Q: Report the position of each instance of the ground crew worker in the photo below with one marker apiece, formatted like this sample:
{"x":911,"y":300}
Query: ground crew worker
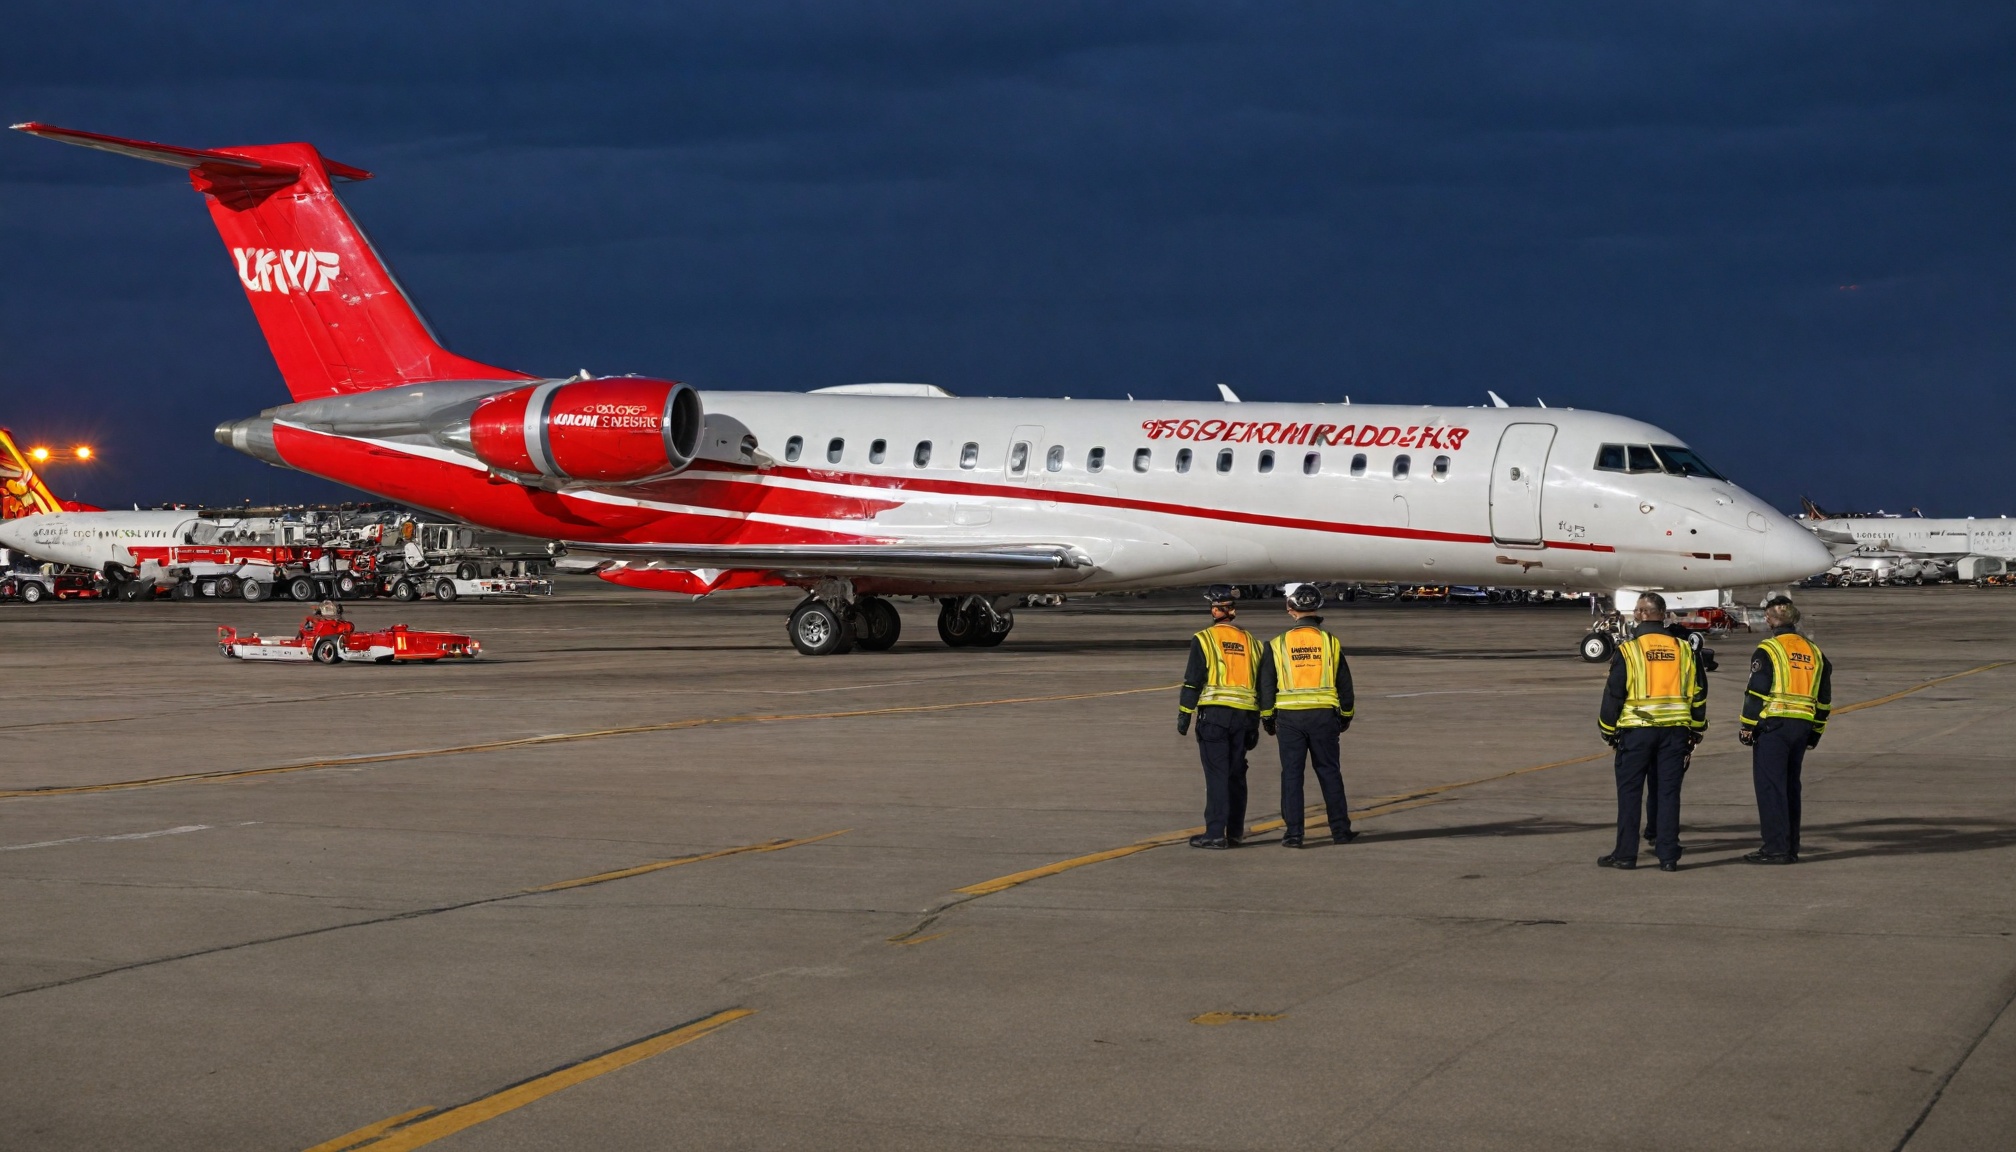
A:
{"x":1784,"y":712}
{"x":1306,"y":703}
{"x":1221,"y":688}
{"x":1705,"y":657}
{"x":1655,"y":708}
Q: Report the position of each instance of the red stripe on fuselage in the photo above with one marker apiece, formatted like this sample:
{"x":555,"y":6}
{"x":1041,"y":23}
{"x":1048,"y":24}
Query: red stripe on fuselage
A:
{"x":467,"y":494}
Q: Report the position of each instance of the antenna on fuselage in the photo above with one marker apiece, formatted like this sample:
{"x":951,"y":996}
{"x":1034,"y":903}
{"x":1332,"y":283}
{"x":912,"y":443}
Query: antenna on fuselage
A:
{"x":1497,"y":401}
{"x":1539,"y":401}
{"x":1227,"y":395}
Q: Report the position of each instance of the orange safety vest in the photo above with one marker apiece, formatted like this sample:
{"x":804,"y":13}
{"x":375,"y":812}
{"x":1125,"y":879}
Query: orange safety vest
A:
{"x":1658,"y":682}
{"x":1234,"y":659}
{"x":1795,"y":678}
{"x":1304,"y":658}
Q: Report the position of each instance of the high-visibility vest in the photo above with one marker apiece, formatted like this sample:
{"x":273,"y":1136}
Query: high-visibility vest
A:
{"x":1234,"y":668}
{"x":1658,"y":682}
{"x":1305,"y":663}
{"x":1795,"y":678}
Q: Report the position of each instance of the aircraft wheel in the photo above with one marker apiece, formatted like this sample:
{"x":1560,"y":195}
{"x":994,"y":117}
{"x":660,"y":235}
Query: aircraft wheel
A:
{"x":444,"y":590}
{"x":403,"y":591}
{"x":988,"y":637}
{"x":877,"y":624}
{"x":956,"y":628}
{"x":253,"y":591}
{"x":818,"y":629}
{"x":327,"y":651}
{"x":301,"y":588}
{"x":31,"y":593}
{"x":1598,"y":647}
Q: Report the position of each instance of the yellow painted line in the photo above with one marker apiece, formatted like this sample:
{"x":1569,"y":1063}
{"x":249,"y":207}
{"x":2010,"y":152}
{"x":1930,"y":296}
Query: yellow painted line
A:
{"x":1881,"y":700}
{"x":1215,"y":1018}
{"x":1382,"y":805}
{"x":902,"y":942}
{"x":453,"y":1120}
{"x":369,"y":1132}
{"x":655,"y":865}
{"x":559,"y":738}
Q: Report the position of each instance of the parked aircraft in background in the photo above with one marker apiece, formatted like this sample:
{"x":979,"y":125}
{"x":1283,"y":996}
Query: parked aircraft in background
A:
{"x":1916,"y":544}
{"x":864,"y":492}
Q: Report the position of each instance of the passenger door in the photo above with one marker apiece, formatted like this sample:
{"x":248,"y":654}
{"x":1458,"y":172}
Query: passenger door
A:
{"x":1516,"y":478}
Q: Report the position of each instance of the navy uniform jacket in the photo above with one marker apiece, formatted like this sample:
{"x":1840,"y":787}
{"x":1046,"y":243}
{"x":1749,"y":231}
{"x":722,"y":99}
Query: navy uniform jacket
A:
{"x":1347,"y":703}
{"x":1761,"y":685}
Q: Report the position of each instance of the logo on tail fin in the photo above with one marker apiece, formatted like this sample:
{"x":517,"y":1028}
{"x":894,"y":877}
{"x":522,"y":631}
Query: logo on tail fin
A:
{"x":286,"y":270}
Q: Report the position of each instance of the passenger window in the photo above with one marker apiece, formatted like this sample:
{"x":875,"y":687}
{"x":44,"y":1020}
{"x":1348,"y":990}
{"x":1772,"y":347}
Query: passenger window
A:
{"x":1053,"y":461}
{"x":833,"y":448}
{"x":878,"y":451}
{"x":1183,"y":460}
{"x":969,"y":454}
{"x":1312,"y":463}
{"x":1610,"y":458}
{"x":922,"y":457}
{"x":1266,"y":461}
{"x":1401,"y":465}
{"x":1224,"y":460}
{"x":1441,"y":467}
{"x":1095,"y":460}
{"x":1358,"y":464}
{"x":793,"y":448}
{"x":1142,"y":457}
{"x":1642,"y":459}
{"x":1018,"y":458}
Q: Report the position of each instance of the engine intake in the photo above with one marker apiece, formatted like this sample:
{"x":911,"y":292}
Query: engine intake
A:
{"x":615,"y":431}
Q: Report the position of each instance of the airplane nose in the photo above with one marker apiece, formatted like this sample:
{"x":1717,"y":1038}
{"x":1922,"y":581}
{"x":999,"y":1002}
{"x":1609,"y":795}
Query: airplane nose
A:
{"x":1792,"y":553}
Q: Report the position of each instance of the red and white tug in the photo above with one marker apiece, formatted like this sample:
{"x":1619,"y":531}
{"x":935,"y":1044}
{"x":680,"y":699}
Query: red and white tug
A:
{"x":326,"y":638}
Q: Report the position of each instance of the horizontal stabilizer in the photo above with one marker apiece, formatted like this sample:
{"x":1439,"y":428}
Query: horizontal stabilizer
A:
{"x":185,"y":158}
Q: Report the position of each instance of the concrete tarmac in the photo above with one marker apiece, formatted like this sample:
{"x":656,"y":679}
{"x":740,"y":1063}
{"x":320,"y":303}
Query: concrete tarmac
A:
{"x":332,"y":931}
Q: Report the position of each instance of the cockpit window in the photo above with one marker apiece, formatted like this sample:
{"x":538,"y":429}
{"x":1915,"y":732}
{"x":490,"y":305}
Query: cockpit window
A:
{"x":1642,"y":459}
{"x":1683,"y":462}
{"x":1610,"y":458}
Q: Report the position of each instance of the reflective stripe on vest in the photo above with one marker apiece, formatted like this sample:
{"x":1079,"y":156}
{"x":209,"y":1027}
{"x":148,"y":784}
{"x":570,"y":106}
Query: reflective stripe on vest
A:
{"x":1233,"y":683}
{"x":1305,"y":662}
{"x":1795,"y":678}
{"x":1658,"y":683}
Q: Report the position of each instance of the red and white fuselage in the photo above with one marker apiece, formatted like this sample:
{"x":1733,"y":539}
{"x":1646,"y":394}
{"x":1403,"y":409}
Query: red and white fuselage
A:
{"x":900,"y":489}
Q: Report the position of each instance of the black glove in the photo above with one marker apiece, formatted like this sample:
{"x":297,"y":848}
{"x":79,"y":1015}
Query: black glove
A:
{"x":1748,"y":737}
{"x":1611,"y":739}
{"x":1252,"y":738}
{"x":1812,"y":739}
{"x":1182,"y":723}
{"x":1267,"y":722}
{"x":1693,"y":739}
{"x":1344,"y":722}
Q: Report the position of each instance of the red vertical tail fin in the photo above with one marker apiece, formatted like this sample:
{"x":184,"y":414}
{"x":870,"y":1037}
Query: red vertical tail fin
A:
{"x":336,"y":319}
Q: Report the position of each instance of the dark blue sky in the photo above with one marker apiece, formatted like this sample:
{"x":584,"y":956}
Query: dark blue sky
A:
{"x":1784,"y":232}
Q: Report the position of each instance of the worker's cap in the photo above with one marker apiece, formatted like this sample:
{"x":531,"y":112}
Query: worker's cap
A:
{"x":1305,"y":598}
{"x":1221,"y":594}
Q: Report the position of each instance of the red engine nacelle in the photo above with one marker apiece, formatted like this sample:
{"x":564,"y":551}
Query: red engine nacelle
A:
{"x":616,"y":431}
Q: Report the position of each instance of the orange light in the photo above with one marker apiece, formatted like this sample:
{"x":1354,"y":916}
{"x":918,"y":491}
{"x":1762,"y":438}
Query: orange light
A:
{"x":38,"y":454}
{"x":83,"y":451}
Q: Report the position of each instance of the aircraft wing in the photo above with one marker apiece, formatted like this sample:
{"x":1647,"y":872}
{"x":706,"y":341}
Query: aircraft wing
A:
{"x":812,"y":560}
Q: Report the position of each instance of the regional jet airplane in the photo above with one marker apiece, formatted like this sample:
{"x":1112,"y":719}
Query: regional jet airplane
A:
{"x":863,"y":492}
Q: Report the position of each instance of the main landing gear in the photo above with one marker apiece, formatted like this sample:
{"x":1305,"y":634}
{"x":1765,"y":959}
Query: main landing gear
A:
{"x":832,"y":621}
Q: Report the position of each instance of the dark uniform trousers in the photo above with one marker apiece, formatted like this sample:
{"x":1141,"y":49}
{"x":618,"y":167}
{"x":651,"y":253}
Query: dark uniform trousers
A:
{"x":1775,"y":760}
{"x":1311,"y":734}
{"x":1221,"y":743}
{"x":1654,"y":757}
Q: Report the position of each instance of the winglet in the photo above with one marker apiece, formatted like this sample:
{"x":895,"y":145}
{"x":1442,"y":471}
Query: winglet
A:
{"x":220,"y":160}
